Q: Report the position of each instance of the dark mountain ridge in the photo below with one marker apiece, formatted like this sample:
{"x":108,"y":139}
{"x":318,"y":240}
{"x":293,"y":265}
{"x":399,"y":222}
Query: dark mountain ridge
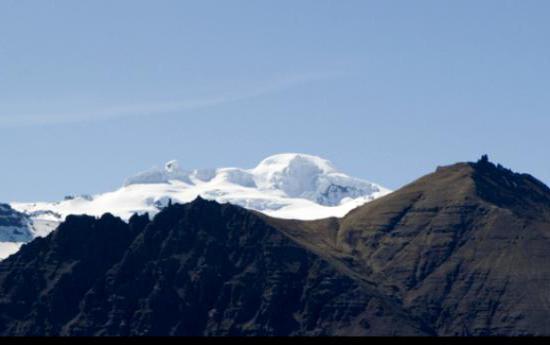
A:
{"x":195,"y":269}
{"x":461,"y":251}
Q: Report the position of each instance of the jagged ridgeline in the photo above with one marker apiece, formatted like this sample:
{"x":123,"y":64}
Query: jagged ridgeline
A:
{"x":461,"y":251}
{"x":196,"y":269}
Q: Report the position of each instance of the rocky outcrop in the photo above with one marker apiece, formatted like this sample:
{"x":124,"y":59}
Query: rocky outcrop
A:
{"x":197,"y":269}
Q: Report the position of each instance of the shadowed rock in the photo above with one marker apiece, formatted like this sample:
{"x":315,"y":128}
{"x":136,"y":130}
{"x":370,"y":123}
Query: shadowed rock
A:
{"x":196,"y":269}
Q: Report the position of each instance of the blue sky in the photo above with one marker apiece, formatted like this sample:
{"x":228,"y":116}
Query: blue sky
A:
{"x":94,"y":91}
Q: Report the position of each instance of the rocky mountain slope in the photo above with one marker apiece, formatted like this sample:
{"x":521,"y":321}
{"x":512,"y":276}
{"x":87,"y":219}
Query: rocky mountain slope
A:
{"x":196,"y":269}
{"x":465,"y":249}
{"x":461,"y":251}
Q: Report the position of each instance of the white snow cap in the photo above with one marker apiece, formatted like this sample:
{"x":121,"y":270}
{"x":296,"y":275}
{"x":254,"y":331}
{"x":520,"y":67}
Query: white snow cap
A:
{"x":309,"y":177}
{"x":293,"y":175}
{"x":289,"y":185}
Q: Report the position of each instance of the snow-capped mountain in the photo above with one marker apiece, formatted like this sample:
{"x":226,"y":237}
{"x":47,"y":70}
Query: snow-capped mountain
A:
{"x":289,"y":185}
{"x":14,"y":226}
{"x":15,"y":229}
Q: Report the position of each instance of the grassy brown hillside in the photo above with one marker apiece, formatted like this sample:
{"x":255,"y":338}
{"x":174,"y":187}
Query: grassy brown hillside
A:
{"x":465,"y":248}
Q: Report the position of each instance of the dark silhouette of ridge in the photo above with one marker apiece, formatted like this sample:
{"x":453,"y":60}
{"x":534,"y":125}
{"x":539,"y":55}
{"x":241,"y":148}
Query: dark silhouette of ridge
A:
{"x":195,"y":269}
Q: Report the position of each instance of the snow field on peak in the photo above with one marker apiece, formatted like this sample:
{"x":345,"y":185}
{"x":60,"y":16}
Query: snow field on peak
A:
{"x":294,"y":186}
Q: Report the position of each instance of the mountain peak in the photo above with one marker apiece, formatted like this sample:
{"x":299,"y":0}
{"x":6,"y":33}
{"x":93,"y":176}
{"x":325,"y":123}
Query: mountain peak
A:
{"x":295,"y":161}
{"x":492,"y":183}
{"x":433,"y":239}
{"x":309,"y":177}
{"x":506,"y":188}
{"x":460,"y":186}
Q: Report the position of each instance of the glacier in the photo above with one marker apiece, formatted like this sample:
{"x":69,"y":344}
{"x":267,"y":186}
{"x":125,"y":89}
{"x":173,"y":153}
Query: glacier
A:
{"x":288,"y":185}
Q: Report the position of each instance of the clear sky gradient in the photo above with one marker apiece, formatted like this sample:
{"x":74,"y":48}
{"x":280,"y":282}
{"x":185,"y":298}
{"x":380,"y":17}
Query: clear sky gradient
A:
{"x":94,"y":91}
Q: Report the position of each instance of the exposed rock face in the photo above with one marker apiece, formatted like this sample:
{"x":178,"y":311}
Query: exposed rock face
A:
{"x":197,"y":269}
{"x":462,"y":251}
{"x":466,"y":249}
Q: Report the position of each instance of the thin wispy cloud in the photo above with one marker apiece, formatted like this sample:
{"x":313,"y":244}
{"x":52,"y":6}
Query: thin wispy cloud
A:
{"x":160,"y":108}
